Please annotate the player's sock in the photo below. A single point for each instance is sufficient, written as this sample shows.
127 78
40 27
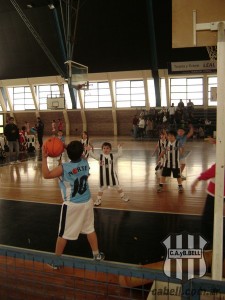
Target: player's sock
122 195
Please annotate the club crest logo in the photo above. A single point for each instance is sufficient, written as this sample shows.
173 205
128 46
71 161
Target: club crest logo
184 259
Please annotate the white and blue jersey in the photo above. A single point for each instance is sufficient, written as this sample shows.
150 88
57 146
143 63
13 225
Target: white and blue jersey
74 182
182 140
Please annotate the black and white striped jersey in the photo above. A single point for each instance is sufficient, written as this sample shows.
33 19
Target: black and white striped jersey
172 155
85 143
107 168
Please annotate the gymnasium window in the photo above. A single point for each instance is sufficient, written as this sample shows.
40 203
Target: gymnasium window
21 98
130 93
212 82
68 98
45 91
98 95
185 89
151 92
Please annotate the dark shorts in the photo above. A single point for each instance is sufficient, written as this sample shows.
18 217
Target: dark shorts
166 172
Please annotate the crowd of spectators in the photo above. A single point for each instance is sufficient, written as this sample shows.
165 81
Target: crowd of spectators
150 123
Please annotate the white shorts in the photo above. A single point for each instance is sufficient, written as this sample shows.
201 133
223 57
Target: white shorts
182 161
76 218
115 187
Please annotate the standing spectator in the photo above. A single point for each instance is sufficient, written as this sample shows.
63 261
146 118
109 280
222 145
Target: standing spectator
181 105
190 109
40 131
172 110
11 132
141 127
60 125
135 126
27 125
53 127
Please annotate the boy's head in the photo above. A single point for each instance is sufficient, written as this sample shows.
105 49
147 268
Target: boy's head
172 135
84 135
180 131
60 133
11 120
75 150
106 147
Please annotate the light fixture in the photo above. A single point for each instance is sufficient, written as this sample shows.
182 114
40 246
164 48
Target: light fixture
29 5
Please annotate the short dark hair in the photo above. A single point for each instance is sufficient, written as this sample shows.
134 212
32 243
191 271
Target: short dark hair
74 150
106 144
172 132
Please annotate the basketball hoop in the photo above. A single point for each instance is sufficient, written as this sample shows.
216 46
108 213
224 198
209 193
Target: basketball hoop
83 86
212 52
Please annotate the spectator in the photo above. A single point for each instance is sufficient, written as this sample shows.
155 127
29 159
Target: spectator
172 110
27 125
135 126
181 105
60 125
40 131
11 132
53 127
141 127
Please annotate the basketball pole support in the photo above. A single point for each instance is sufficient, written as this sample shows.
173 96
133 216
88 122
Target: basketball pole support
217 259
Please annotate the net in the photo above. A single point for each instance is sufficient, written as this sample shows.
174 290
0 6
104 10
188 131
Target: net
212 52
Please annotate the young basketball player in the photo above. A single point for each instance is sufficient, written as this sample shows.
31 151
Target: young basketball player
160 146
171 163
182 138
77 214
208 212
107 171
86 143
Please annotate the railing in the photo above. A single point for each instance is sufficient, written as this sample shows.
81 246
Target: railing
26 274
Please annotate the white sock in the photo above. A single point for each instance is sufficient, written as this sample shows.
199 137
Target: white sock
95 252
122 195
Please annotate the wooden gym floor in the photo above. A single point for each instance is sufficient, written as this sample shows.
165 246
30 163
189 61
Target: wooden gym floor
128 232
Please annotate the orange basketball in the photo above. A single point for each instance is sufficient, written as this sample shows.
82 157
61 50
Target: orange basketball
54 146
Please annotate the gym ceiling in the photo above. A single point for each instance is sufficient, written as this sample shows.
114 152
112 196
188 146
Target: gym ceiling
105 35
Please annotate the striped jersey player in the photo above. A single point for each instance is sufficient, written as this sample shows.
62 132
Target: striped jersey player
171 163
107 171
85 141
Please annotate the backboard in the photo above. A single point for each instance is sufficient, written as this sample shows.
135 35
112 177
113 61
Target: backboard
186 14
77 75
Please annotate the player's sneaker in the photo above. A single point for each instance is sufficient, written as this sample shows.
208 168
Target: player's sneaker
100 256
97 202
183 177
159 189
180 188
125 198
157 166
54 266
